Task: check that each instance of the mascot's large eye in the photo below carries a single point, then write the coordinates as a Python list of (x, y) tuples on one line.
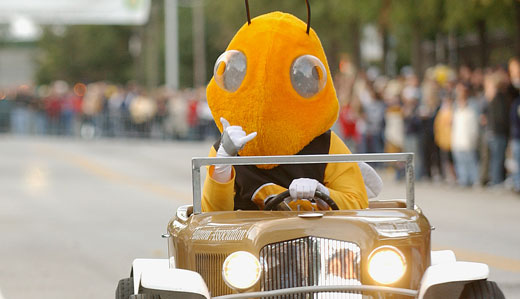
[(308, 75), (230, 70)]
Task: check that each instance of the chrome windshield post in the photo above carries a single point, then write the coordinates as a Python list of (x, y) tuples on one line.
[(196, 185), (410, 182)]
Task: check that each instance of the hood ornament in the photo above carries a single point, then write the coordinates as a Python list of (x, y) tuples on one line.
[(311, 215)]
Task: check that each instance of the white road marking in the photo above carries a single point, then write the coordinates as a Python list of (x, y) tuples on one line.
[(1, 297)]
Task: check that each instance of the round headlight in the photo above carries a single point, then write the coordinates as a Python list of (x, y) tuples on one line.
[(241, 270), (386, 265)]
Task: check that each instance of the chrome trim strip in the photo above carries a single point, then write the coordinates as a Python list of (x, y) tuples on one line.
[(197, 163), (321, 289)]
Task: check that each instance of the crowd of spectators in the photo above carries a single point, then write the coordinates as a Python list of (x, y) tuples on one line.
[(463, 125), (105, 110)]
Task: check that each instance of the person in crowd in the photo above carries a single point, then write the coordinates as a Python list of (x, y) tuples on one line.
[(177, 124), (394, 123), (207, 127), (91, 106), (350, 106), (497, 125), (6, 105), (413, 126), (464, 74), (515, 141), (464, 138), (161, 97), (373, 112), (20, 120), (514, 73), (66, 118), (53, 107), (142, 111), (40, 113), (114, 110), (429, 106), (479, 102), (513, 88), (348, 118), (193, 116), (442, 132), (132, 91)]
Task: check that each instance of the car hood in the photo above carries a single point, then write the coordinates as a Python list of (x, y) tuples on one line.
[(251, 230)]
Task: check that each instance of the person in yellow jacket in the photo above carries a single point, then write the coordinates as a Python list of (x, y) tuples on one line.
[(442, 133), (272, 94)]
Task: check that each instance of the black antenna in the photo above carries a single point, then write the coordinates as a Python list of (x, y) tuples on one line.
[(308, 15), (248, 15)]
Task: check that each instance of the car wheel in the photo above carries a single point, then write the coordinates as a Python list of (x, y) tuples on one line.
[(125, 288), (482, 289)]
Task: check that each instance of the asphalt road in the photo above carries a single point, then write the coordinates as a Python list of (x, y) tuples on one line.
[(74, 214)]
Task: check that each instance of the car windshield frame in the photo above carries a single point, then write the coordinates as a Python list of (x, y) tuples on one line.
[(408, 158)]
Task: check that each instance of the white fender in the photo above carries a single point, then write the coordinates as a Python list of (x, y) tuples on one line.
[(442, 256), (155, 274), (141, 265), (452, 272), (175, 280)]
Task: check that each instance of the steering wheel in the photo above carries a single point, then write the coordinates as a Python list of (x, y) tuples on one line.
[(275, 201)]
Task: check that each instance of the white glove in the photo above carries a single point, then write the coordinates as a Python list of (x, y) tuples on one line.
[(305, 188), (233, 139)]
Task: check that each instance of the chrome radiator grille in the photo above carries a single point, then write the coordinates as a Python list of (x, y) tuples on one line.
[(310, 261), (209, 266)]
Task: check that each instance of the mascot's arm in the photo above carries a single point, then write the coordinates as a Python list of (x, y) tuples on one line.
[(344, 180), (218, 196)]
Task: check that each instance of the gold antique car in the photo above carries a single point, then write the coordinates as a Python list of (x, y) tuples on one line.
[(380, 252)]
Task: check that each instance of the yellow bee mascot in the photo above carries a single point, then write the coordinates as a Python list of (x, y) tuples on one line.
[(272, 94)]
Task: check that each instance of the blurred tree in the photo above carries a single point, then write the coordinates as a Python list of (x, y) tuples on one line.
[(383, 23), (516, 17), (186, 74), (479, 16), (153, 39), (89, 53), (409, 22), (85, 53)]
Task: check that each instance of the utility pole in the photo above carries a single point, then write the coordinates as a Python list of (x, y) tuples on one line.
[(172, 44), (199, 46), (152, 48)]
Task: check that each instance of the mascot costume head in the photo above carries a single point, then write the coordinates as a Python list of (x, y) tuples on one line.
[(274, 79)]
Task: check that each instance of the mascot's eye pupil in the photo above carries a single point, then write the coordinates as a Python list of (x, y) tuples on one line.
[(230, 70), (308, 75), (315, 73)]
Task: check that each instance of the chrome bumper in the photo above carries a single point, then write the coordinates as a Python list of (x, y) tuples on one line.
[(322, 289)]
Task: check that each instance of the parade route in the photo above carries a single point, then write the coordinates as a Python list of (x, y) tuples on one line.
[(76, 213)]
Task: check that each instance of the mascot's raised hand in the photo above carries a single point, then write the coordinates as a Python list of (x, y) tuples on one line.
[(233, 139)]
